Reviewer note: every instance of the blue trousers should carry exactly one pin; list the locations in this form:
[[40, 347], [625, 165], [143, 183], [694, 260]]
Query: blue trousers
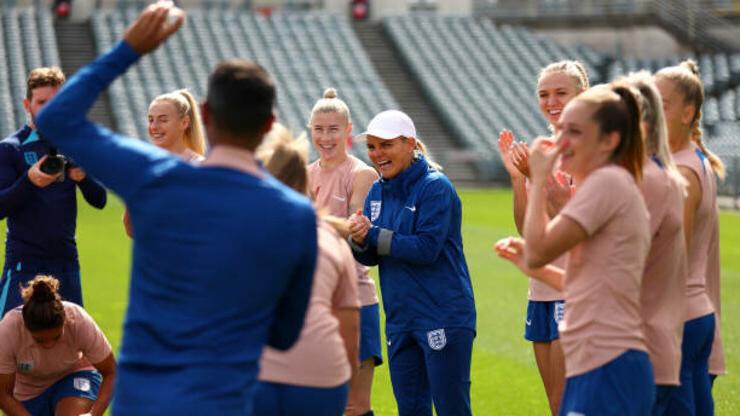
[[20, 273], [623, 386], [663, 395], [431, 366], [694, 396], [275, 399]]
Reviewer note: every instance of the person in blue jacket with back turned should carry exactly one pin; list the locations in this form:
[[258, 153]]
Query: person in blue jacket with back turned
[[223, 255], [411, 229]]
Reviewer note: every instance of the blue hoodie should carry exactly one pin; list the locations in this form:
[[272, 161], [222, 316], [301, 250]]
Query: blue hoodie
[[417, 243]]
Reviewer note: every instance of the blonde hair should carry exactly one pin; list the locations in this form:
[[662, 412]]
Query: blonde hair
[[330, 103], [185, 105], [573, 69], [286, 158], [685, 77], [651, 109], [421, 149]]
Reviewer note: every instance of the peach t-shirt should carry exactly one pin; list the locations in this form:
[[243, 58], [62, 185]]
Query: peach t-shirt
[[36, 368], [717, 357], [699, 303], [319, 358], [603, 276], [663, 295], [332, 190]]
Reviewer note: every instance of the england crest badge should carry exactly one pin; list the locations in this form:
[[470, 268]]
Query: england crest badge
[[31, 158], [375, 210], [437, 339]]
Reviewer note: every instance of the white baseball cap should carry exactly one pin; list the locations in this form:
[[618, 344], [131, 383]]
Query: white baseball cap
[[389, 125]]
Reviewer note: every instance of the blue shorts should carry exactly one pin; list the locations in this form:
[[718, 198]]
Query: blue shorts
[[694, 395], [370, 334], [83, 384], [623, 386], [542, 320], [275, 399], [18, 273]]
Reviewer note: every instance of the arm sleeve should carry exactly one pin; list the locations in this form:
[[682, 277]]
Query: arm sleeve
[[15, 190], [434, 210], [291, 310], [122, 164], [93, 192], [347, 293], [367, 254], [8, 334], [90, 339]]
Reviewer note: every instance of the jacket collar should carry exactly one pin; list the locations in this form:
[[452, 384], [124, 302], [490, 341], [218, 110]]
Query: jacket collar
[[404, 181]]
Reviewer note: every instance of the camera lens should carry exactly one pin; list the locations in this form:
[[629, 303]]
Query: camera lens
[[52, 165]]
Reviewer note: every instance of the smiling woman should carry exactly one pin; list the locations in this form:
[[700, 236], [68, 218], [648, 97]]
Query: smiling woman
[[410, 227]]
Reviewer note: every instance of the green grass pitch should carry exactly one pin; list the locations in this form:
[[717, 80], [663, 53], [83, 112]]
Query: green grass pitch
[[504, 375]]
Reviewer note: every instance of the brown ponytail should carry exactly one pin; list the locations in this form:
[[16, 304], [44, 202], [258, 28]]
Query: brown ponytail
[[42, 305], [617, 109], [286, 158], [685, 77]]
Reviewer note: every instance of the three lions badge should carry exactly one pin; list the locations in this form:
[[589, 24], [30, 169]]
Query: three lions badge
[[437, 339]]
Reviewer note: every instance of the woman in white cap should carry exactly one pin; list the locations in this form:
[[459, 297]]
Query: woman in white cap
[[410, 227]]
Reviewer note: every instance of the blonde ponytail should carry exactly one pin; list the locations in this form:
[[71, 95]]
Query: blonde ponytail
[[194, 137], [422, 149]]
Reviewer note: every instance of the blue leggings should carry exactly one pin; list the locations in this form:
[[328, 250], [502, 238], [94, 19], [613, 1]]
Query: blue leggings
[[694, 396], [275, 399], [20, 273], [431, 366]]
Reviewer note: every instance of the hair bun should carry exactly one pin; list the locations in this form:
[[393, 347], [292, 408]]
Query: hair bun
[[691, 65], [44, 290], [330, 93]]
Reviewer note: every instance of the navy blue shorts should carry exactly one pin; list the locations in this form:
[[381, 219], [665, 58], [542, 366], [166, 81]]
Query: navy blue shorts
[[370, 334], [541, 324], [275, 399], [84, 384], [694, 395], [623, 386], [20, 273]]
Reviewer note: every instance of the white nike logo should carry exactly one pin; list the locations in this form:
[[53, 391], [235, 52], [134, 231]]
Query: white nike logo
[[412, 209], [529, 322], [339, 198]]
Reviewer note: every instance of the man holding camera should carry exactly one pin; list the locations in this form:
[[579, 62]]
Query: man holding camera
[[37, 196]]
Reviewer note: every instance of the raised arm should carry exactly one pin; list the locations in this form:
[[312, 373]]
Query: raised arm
[[93, 192], [120, 163]]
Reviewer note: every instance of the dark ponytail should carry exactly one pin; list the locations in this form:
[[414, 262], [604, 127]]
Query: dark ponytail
[[42, 305]]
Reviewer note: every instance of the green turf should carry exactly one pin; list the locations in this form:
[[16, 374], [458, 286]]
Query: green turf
[[505, 378]]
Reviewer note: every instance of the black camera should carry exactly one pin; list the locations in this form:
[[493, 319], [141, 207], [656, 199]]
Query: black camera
[[54, 163]]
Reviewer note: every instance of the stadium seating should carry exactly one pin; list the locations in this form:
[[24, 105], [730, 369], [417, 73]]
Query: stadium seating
[[26, 41], [305, 53]]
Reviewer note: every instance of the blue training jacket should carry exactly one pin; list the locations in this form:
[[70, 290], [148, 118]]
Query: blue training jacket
[[223, 261], [41, 221], [417, 243]]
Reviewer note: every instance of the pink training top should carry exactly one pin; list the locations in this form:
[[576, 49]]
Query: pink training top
[[319, 358], [36, 368], [332, 191], [192, 157], [717, 357], [604, 272], [705, 216], [663, 296]]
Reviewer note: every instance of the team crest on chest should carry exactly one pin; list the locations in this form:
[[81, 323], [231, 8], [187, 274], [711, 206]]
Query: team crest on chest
[[375, 210], [31, 158], [437, 339]]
